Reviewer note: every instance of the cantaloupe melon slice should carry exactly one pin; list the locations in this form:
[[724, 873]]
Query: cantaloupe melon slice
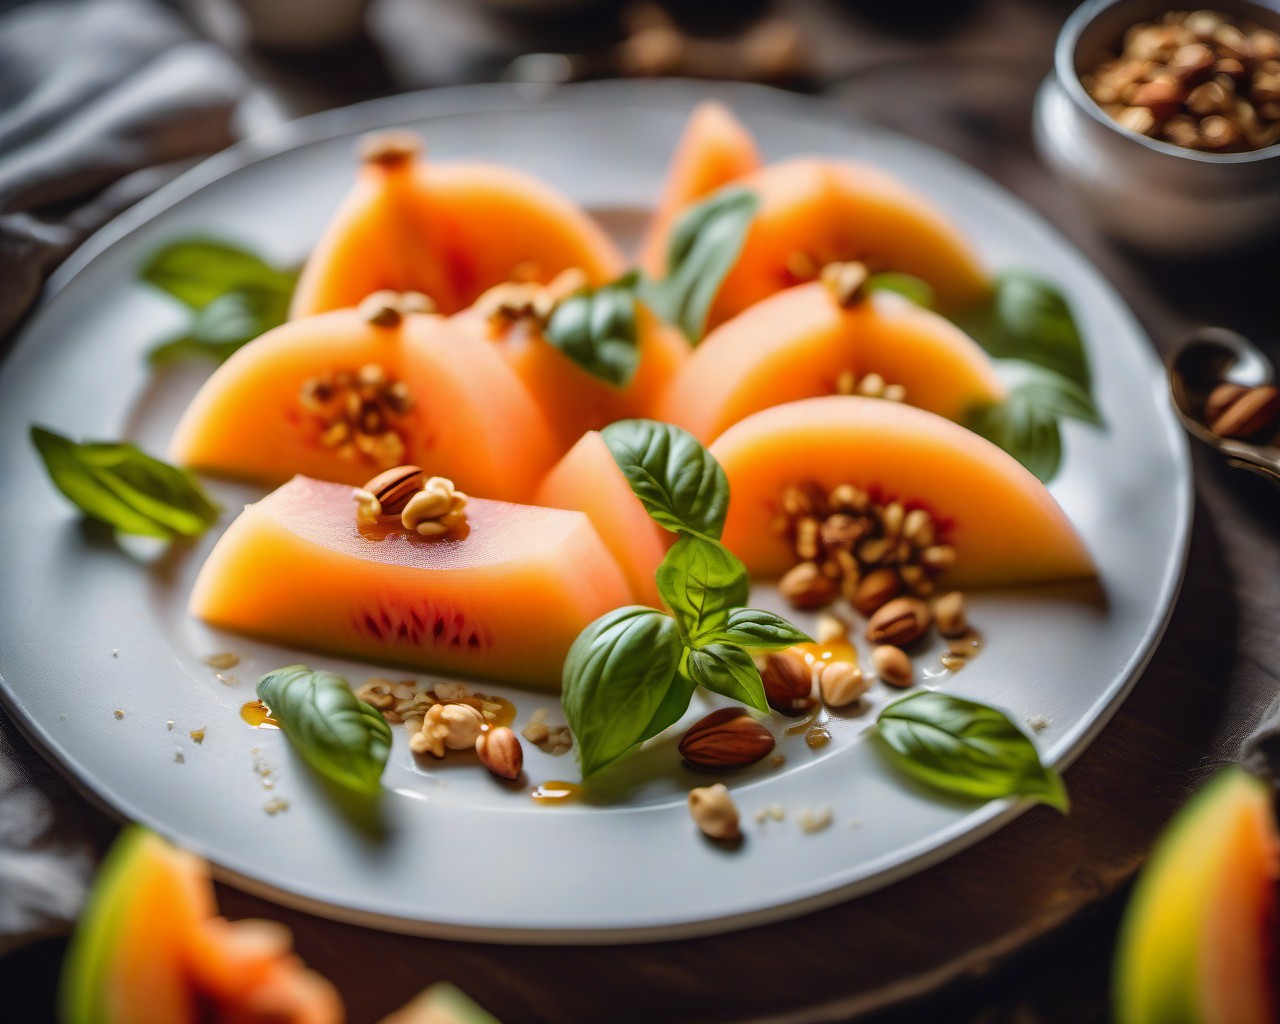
[[587, 479], [150, 950], [1003, 524], [714, 150], [468, 417], [449, 230], [572, 400], [503, 602], [1196, 943], [799, 342], [814, 211]]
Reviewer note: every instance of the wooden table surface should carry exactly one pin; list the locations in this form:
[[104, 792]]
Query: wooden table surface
[[1020, 927]]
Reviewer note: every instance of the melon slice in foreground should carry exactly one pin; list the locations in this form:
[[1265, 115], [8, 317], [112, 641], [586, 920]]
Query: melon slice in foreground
[[589, 480], [800, 342], [714, 150], [505, 601], [451, 230], [150, 949], [1003, 524], [340, 398]]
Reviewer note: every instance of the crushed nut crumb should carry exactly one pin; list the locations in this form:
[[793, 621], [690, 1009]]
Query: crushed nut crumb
[[814, 820], [276, 805], [119, 715], [770, 812], [197, 735], [169, 725], [226, 680], [550, 739], [1039, 723], [178, 757]]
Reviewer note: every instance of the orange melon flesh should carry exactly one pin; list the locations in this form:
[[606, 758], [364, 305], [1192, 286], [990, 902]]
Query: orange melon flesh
[[150, 950], [504, 602], [572, 400], [588, 479], [1196, 940], [796, 343], [471, 420], [451, 231], [714, 150], [1004, 525], [840, 210]]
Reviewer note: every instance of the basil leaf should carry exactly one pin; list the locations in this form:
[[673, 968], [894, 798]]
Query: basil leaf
[[728, 670], [120, 485], [1029, 319], [224, 326], [756, 629], [966, 748], [618, 678], [705, 245], [339, 735], [1027, 432], [597, 330], [196, 271], [678, 481], [918, 291], [1057, 395], [699, 580]]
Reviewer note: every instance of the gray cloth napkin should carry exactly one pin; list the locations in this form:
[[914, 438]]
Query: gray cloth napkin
[[101, 101]]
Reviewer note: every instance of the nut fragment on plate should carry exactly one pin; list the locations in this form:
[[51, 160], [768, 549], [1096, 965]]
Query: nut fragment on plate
[[841, 683], [1200, 80], [725, 739], [714, 812], [499, 750], [448, 727]]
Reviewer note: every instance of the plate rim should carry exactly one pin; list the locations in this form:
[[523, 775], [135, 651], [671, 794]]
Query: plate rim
[[425, 105]]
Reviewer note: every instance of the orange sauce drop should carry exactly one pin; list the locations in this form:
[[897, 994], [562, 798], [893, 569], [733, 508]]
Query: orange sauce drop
[[556, 792], [505, 715], [255, 713]]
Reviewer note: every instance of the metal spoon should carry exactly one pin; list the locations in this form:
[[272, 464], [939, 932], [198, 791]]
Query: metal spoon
[[1206, 359]]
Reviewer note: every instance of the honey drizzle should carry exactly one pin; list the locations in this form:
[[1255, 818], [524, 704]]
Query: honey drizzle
[[554, 792], [961, 650], [256, 714]]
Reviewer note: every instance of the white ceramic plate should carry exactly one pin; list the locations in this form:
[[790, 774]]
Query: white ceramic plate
[[88, 627]]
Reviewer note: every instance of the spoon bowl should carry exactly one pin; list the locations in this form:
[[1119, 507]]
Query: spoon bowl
[[1206, 359]]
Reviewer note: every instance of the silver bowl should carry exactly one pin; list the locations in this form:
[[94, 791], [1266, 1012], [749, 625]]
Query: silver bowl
[[1152, 194]]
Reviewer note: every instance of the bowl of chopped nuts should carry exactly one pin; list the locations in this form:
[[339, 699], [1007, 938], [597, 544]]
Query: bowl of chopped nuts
[[1166, 123]]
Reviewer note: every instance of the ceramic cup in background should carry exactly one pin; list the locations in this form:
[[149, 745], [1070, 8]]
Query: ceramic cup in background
[[1152, 194]]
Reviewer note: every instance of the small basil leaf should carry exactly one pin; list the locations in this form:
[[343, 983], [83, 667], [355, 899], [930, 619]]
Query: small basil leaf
[[225, 325], [755, 628], [196, 271], [340, 736], [597, 330], [967, 748], [699, 580], [120, 485], [728, 670], [1056, 395], [1029, 319], [678, 481], [918, 291], [618, 677], [1026, 431], [705, 245]]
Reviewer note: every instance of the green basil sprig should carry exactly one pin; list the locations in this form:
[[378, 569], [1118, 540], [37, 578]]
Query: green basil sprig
[[120, 485], [340, 736], [632, 672], [966, 748], [234, 296], [596, 329], [705, 245]]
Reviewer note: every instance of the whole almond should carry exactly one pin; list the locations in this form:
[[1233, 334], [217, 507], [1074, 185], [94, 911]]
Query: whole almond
[[394, 487], [892, 665], [500, 751], [725, 739], [805, 586], [1162, 97], [876, 589], [948, 612], [1250, 413], [1221, 398], [788, 682], [901, 621]]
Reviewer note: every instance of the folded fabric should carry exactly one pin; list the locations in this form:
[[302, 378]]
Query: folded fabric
[[100, 102]]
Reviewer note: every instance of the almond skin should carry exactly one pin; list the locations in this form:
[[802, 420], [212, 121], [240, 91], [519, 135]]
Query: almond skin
[[788, 682], [725, 739], [394, 487], [900, 622], [500, 751]]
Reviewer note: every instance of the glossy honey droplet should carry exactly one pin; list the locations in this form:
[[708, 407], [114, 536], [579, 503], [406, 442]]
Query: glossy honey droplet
[[817, 737], [555, 792], [839, 649], [961, 650], [256, 714]]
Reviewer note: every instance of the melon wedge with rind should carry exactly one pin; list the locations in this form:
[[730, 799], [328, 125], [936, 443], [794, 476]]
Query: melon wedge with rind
[[1004, 525], [503, 602]]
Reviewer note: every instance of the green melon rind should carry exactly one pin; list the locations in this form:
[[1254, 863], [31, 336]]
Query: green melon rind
[[86, 970], [1160, 983]]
